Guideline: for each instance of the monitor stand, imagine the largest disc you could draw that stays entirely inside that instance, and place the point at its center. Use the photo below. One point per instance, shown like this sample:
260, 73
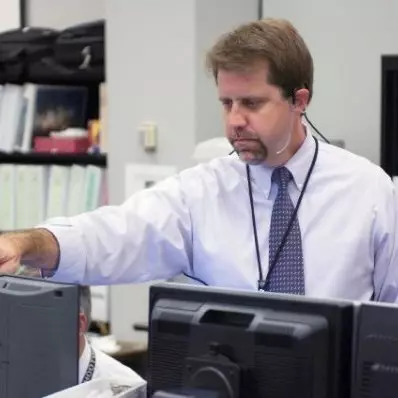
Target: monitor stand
213, 375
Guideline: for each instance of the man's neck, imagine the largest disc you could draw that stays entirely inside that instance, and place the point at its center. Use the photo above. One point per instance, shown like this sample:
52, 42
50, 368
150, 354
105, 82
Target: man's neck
297, 140
82, 345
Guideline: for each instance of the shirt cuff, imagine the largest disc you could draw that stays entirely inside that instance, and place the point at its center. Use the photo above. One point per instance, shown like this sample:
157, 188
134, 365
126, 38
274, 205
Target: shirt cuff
72, 258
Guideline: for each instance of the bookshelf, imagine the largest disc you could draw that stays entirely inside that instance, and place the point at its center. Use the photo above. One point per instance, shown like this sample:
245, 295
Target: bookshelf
37, 186
53, 58
34, 158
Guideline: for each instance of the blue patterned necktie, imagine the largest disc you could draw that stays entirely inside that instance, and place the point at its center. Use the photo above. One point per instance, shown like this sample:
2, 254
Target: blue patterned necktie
287, 276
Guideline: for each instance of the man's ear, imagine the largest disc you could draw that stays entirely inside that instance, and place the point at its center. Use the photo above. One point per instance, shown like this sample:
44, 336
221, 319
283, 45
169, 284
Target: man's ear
300, 99
83, 324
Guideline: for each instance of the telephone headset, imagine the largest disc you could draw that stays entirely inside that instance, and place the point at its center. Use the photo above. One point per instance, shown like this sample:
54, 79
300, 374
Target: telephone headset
263, 283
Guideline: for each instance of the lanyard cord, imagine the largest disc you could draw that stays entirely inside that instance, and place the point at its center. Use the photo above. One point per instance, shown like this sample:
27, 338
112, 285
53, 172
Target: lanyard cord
91, 366
261, 282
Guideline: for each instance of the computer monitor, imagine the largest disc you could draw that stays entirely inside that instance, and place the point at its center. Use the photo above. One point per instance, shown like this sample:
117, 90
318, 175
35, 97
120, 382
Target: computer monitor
39, 350
214, 342
376, 351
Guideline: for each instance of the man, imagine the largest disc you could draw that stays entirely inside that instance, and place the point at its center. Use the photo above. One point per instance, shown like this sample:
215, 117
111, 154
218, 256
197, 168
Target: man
94, 363
288, 214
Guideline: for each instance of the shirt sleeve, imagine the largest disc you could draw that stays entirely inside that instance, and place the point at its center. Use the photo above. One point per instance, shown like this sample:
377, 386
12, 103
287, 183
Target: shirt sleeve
148, 237
386, 242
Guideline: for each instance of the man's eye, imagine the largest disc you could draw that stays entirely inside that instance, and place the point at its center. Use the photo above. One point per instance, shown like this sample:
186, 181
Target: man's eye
227, 104
251, 104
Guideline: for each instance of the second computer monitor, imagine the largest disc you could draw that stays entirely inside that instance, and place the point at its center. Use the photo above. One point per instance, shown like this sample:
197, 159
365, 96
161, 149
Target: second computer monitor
376, 352
232, 344
39, 335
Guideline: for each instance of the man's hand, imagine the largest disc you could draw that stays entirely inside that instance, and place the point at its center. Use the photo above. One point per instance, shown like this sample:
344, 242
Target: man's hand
36, 248
10, 255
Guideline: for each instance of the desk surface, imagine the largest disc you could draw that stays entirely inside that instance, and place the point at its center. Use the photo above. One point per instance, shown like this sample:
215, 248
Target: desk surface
133, 355
129, 348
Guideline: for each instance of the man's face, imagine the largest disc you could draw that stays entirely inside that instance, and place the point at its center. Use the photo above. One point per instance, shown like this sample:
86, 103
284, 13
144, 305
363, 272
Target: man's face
258, 119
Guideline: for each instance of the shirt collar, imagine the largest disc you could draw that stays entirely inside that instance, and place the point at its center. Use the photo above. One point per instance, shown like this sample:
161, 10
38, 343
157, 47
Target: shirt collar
84, 360
298, 165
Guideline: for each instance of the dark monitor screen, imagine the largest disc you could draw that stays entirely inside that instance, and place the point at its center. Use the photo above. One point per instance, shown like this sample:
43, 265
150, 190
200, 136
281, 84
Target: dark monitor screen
376, 352
39, 323
216, 342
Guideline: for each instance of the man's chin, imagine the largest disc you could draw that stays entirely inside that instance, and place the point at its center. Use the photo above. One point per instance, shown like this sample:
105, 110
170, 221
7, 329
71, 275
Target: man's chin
251, 158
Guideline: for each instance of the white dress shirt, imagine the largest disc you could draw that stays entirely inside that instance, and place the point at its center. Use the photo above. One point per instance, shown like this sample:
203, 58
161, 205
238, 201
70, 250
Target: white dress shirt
199, 222
106, 367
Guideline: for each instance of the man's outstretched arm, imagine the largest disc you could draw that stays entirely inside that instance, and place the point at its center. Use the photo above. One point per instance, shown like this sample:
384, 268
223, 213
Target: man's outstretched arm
33, 247
148, 237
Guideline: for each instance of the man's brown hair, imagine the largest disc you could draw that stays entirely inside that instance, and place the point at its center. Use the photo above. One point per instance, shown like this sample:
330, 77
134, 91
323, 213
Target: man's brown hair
274, 41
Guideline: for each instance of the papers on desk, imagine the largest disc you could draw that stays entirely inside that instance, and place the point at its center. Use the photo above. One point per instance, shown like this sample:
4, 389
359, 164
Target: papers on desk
104, 388
106, 344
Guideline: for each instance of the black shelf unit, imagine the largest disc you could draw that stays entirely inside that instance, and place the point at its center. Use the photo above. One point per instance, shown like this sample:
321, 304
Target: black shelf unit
389, 114
34, 158
36, 72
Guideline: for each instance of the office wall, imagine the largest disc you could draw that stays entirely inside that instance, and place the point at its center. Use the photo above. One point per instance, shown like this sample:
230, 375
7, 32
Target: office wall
10, 12
208, 122
59, 14
155, 66
347, 39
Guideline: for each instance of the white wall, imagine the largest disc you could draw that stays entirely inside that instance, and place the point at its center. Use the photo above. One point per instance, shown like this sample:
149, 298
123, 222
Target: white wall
347, 39
10, 14
155, 68
59, 14
208, 121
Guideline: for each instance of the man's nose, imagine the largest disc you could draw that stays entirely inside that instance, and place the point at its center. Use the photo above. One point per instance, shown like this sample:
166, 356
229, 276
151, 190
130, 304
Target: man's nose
236, 118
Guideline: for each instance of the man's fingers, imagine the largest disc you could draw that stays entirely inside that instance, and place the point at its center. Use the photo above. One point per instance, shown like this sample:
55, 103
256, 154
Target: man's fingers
9, 267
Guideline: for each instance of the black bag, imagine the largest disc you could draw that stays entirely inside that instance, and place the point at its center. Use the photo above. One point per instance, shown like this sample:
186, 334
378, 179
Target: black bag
80, 51
19, 48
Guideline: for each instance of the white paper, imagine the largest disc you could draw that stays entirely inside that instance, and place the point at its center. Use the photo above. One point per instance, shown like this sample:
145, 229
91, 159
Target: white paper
141, 176
104, 388
100, 303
